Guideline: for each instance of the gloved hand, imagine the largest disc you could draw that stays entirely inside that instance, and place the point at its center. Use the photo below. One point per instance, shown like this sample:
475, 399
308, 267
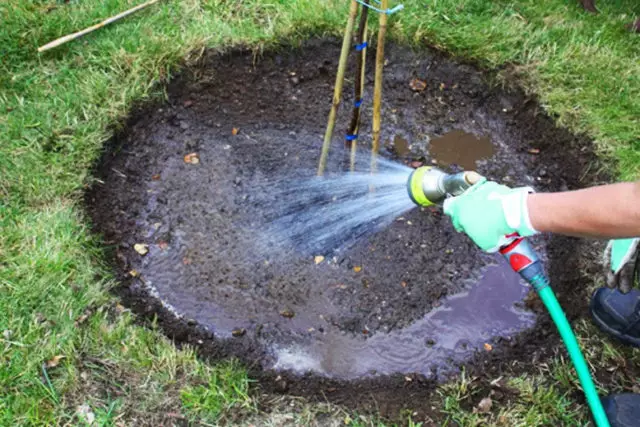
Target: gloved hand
623, 257
488, 212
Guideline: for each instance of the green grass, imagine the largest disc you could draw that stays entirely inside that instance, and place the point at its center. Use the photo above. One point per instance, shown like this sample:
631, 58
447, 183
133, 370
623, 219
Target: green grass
57, 110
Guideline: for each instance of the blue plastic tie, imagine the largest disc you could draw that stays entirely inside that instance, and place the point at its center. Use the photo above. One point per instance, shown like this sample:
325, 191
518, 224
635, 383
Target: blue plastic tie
358, 103
351, 137
361, 46
391, 11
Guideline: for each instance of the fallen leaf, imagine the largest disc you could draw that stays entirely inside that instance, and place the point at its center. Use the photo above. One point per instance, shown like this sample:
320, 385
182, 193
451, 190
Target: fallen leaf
488, 347
289, 314
318, 259
141, 248
155, 177
534, 151
417, 85
54, 361
192, 158
83, 317
163, 245
134, 273
357, 269
234, 131
485, 405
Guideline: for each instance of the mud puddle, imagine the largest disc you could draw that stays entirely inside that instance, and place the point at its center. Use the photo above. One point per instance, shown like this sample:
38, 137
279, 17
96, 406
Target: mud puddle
461, 149
415, 297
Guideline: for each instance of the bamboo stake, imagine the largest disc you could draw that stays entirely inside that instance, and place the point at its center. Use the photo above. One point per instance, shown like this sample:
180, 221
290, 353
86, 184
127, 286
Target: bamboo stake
354, 126
106, 22
377, 86
337, 92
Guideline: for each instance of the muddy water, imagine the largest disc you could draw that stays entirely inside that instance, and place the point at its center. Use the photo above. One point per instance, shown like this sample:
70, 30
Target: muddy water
460, 148
431, 346
413, 297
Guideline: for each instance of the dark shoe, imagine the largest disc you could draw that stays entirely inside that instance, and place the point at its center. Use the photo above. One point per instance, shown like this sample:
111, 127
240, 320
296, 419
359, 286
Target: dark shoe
618, 314
623, 410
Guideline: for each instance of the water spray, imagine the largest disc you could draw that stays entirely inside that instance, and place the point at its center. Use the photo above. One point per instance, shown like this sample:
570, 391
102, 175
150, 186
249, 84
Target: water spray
429, 186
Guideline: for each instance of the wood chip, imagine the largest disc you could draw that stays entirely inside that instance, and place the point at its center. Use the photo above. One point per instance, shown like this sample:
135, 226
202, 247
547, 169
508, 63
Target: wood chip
488, 347
238, 332
235, 131
141, 248
534, 151
357, 269
192, 158
289, 314
54, 361
318, 259
417, 85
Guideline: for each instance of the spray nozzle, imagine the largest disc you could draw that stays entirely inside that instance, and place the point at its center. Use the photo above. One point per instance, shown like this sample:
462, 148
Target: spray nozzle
429, 186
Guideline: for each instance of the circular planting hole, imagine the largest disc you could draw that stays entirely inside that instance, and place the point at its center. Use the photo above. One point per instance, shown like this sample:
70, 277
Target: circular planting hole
189, 190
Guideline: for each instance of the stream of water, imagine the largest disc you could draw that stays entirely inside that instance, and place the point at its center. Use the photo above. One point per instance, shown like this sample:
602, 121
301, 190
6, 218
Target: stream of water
316, 215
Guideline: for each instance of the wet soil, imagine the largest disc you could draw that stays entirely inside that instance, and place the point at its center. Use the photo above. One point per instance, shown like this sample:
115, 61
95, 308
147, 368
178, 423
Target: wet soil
374, 325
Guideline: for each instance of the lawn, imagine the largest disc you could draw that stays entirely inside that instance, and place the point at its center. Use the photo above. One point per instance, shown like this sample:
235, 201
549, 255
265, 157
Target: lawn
71, 353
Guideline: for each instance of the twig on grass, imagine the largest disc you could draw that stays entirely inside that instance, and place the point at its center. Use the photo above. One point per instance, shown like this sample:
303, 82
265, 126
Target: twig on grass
68, 38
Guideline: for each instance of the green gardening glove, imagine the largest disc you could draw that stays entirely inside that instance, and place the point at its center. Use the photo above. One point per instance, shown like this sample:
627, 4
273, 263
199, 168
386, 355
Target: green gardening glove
488, 212
624, 263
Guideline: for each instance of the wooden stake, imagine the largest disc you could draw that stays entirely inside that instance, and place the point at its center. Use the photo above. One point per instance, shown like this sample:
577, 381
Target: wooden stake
337, 91
106, 22
354, 126
377, 86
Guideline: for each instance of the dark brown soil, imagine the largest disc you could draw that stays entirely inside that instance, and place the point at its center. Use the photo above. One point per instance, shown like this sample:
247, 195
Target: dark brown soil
251, 120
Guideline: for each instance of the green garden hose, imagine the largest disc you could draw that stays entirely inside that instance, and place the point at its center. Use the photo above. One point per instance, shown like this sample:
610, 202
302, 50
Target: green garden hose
524, 260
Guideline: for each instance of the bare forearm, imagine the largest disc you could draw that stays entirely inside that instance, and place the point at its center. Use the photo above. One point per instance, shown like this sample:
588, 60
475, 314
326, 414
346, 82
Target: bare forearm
608, 211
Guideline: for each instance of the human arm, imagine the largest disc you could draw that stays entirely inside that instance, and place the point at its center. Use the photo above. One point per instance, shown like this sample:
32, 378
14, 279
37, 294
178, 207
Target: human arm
607, 211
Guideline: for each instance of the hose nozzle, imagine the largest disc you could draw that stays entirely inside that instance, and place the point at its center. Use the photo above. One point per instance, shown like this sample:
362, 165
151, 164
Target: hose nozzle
429, 186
